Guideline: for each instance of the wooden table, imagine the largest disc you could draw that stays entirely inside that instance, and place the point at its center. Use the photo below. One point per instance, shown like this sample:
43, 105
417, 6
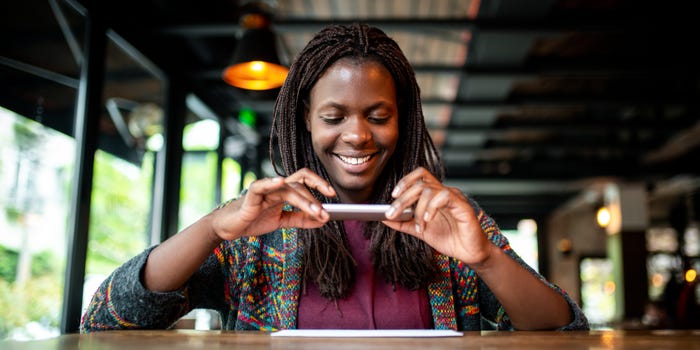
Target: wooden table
188, 339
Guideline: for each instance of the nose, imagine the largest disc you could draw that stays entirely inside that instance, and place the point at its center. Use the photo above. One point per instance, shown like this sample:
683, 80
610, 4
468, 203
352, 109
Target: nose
356, 131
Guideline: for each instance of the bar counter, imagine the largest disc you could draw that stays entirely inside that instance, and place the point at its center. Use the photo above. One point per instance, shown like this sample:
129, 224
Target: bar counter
191, 339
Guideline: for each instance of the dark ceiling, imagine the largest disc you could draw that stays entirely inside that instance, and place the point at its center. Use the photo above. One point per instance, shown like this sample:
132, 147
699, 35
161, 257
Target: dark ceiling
529, 101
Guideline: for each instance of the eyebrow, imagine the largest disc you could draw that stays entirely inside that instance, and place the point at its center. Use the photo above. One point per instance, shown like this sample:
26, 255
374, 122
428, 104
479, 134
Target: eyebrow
376, 105
333, 105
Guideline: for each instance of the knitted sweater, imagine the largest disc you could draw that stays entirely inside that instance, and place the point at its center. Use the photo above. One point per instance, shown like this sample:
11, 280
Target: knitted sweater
255, 283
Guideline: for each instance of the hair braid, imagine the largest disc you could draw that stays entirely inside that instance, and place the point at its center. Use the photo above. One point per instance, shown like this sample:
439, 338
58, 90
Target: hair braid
400, 258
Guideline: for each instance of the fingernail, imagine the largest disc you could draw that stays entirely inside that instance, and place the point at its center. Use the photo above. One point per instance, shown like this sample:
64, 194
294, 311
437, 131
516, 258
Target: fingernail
396, 191
314, 207
417, 228
426, 216
389, 213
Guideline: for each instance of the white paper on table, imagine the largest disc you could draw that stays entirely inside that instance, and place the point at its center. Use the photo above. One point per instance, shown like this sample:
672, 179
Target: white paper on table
366, 333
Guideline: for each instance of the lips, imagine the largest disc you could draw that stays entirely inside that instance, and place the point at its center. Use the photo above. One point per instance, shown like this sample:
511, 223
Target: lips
354, 160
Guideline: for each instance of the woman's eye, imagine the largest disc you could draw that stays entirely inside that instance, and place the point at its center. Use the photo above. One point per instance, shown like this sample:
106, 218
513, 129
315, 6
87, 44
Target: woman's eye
331, 119
379, 119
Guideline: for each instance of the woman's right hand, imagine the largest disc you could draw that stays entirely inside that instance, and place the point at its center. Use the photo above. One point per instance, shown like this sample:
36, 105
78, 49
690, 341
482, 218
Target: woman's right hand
260, 210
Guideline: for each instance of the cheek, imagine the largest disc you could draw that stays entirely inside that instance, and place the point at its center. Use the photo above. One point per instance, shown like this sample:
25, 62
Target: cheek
390, 138
322, 138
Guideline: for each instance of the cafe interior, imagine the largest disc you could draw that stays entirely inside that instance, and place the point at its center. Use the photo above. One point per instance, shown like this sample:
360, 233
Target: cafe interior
573, 123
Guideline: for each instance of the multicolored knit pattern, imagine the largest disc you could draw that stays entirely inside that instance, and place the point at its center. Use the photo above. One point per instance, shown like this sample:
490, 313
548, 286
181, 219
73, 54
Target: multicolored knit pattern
255, 283
253, 274
263, 279
122, 302
103, 300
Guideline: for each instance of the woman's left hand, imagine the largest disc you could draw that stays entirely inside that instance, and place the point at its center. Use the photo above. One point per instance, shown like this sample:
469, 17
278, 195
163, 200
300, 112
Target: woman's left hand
443, 217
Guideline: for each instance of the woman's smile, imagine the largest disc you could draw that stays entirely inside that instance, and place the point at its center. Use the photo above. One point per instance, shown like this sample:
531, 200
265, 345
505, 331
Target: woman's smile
354, 160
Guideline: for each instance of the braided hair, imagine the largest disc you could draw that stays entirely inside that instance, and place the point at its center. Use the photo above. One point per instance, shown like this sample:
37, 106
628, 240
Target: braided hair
399, 257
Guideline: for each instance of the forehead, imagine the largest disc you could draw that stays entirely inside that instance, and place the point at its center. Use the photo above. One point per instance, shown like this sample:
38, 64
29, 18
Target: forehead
352, 63
353, 72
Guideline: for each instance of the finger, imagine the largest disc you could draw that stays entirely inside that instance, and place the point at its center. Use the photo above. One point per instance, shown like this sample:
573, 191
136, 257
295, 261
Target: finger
440, 200
278, 190
407, 227
310, 179
420, 175
411, 194
423, 200
301, 220
407, 199
299, 197
259, 188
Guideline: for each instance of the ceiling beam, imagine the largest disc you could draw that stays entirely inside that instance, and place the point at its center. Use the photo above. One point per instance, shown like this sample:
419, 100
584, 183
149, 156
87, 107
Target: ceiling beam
421, 24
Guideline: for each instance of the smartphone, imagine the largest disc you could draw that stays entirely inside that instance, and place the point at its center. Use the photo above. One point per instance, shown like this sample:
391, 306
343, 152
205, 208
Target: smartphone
363, 212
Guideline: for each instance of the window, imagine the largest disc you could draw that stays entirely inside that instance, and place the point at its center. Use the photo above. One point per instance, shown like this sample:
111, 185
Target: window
36, 165
524, 242
199, 166
597, 290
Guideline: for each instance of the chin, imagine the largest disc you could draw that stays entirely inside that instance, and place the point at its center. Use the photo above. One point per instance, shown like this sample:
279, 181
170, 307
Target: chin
355, 186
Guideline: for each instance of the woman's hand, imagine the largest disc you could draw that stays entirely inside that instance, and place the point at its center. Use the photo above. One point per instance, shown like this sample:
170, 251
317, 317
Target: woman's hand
443, 217
445, 220
260, 210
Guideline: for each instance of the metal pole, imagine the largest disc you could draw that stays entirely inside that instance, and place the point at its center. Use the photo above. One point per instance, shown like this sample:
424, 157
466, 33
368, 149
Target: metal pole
86, 134
166, 191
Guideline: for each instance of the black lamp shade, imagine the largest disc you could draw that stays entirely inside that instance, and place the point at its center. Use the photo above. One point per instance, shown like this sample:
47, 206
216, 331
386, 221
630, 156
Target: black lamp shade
255, 64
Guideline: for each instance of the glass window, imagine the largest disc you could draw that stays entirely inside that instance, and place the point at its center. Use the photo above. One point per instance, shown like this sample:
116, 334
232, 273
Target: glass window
36, 165
231, 179
119, 216
662, 268
199, 166
662, 239
40, 72
130, 130
524, 241
597, 291
197, 194
197, 186
691, 240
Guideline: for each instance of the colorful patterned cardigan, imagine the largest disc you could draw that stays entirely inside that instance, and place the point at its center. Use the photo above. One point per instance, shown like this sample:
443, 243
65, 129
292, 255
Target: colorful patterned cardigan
254, 283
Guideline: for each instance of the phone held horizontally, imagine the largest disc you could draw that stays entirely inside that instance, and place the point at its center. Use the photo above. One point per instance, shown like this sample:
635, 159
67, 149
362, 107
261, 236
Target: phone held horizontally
363, 212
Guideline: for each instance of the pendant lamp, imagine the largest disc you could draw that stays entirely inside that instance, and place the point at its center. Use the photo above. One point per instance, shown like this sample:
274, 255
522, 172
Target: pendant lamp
255, 64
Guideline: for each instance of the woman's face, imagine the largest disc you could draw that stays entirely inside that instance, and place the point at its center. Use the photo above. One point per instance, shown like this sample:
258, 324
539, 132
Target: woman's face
353, 121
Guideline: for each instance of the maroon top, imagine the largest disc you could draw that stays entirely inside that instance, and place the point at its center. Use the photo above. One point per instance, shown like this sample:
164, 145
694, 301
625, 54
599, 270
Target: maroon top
372, 303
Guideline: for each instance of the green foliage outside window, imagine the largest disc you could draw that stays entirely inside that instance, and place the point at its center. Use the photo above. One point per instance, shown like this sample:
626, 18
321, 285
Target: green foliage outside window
119, 212
34, 299
119, 218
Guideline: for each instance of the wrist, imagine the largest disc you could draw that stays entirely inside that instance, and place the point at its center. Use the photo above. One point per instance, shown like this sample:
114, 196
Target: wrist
213, 238
487, 260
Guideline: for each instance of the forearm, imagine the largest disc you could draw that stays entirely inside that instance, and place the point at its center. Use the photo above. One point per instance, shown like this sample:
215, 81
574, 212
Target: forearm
174, 261
122, 302
529, 302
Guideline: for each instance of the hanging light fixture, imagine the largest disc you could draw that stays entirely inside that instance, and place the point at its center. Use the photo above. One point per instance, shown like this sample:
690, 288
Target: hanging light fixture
255, 64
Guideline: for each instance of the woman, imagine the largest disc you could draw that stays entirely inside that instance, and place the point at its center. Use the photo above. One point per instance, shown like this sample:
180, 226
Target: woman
349, 128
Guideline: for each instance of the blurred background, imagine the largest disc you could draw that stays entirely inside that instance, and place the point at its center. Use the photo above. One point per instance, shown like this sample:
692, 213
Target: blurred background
574, 124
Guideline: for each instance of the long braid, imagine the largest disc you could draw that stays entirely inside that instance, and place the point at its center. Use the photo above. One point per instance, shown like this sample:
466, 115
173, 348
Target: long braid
400, 258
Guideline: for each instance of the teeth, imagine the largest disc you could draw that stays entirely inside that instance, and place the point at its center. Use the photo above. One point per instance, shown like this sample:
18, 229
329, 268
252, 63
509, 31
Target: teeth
354, 161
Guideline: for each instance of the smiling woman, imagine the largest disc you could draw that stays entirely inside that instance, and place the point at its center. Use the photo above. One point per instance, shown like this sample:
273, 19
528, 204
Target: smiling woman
348, 127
